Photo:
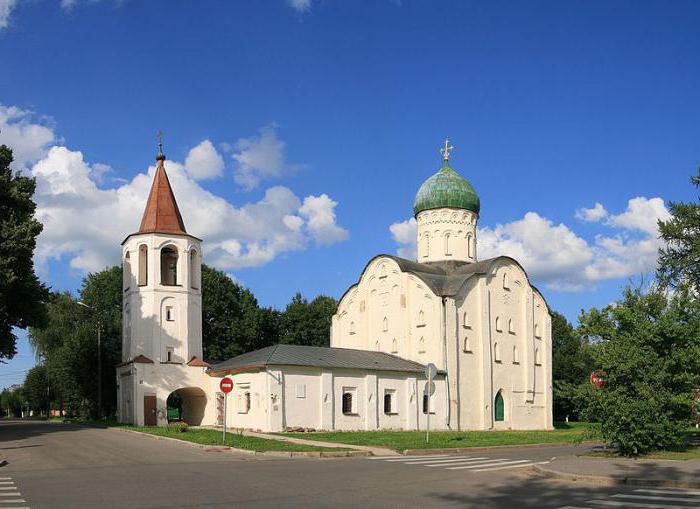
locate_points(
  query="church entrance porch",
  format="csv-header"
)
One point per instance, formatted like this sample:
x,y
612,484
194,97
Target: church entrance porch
x,y
187,404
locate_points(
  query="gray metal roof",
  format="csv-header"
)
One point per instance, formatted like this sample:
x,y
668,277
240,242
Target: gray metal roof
x,y
318,356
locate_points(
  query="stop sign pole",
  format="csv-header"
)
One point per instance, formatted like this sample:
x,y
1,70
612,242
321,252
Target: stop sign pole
x,y
226,386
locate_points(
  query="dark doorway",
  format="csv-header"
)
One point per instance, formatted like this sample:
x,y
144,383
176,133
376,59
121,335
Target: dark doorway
x,y
499,407
149,411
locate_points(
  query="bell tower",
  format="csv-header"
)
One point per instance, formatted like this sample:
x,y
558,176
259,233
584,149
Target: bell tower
x,y
162,297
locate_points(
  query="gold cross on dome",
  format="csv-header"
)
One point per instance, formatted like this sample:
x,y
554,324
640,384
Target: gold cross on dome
x,y
446,150
160,141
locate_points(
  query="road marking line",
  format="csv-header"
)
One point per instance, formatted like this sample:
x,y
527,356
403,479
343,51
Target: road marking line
x,y
492,464
513,466
480,463
14,501
650,497
442,463
437,460
17,507
679,491
614,503
398,456
408,460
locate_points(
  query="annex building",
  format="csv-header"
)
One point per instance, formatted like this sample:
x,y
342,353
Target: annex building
x,y
481,322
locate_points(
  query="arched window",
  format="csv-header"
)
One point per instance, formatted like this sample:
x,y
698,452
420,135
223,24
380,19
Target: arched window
x,y
194,269
394,346
538,358
470,248
516,357
537,330
421,318
465,321
387,403
425,247
126,270
496,353
467,347
421,345
506,283
385,324
347,403
447,244
499,407
143,265
168,266
511,328
352,327
498,324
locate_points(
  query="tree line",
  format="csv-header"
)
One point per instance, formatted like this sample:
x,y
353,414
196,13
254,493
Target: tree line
x,y
646,344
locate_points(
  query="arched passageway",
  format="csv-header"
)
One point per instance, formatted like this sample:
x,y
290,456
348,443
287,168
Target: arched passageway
x,y
188,405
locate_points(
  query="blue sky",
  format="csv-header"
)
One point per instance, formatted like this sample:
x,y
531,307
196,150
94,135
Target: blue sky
x,y
309,126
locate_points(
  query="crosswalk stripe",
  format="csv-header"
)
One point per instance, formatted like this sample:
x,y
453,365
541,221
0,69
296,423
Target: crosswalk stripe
x,y
679,491
512,466
573,507
13,501
651,497
614,503
384,457
10,494
488,464
400,457
408,460
448,462
437,460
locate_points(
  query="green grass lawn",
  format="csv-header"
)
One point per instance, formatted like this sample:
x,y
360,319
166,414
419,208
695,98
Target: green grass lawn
x,y
402,440
214,437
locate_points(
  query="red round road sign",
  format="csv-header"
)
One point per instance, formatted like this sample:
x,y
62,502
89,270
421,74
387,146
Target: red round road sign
x,y
598,378
226,385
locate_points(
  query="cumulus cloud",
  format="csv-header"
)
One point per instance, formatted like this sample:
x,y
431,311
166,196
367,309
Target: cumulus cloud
x,y
300,5
204,162
554,255
260,158
592,215
6,7
404,234
84,223
29,140
319,212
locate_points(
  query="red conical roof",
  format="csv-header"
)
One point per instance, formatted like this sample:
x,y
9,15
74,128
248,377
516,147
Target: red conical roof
x,y
161,214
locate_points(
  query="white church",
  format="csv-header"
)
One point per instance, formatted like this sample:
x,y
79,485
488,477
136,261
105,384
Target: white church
x,y
481,322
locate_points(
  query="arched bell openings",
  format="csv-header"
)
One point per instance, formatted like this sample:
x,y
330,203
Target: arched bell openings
x,y
168,266
143,265
194,269
126,271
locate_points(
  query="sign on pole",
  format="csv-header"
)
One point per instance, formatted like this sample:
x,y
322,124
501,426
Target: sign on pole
x,y
430,372
226,386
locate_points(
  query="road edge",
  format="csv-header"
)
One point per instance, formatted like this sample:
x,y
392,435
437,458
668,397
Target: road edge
x,y
613,480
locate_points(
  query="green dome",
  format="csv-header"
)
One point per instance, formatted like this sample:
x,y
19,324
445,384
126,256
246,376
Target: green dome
x,y
446,188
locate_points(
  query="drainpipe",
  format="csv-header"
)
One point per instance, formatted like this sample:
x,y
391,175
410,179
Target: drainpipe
x,y
444,360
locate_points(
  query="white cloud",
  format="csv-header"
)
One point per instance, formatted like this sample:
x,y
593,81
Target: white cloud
x,y
84,223
592,215
28,140
319,212
204,162
260,158
6,7
557,257
404,234
300,5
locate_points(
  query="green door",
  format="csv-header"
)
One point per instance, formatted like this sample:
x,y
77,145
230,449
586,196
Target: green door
x,y
498,407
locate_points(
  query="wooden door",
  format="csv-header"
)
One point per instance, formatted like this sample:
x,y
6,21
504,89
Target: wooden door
x,y
149,411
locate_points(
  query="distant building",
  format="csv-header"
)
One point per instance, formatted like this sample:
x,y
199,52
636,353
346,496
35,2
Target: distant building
x,y
481,322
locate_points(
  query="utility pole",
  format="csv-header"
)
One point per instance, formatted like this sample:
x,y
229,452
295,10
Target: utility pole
x,y
99,359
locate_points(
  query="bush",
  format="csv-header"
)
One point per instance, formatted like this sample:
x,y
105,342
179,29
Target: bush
x,y
181,427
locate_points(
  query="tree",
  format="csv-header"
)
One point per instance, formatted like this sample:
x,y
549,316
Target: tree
x,y
680,259
36,389
308,323
11,402
572,363
232,321
649,351
22,295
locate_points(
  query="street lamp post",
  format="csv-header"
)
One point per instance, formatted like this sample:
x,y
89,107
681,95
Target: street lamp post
x,y
99,361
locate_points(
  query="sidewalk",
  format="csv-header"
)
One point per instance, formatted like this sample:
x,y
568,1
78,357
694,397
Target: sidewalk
x,y
375,451
682,474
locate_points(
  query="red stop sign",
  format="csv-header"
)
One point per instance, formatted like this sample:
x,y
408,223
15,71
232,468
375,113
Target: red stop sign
x,y
226,385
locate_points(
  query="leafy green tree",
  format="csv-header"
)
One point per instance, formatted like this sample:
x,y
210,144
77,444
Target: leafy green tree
x,y
22,295
680,259
11,402
308,323
36,389
650,352
232,321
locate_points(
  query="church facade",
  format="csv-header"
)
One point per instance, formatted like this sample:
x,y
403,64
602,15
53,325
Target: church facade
x,y
481,322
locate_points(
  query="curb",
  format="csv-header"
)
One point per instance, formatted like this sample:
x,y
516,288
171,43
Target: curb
x,y
421,452
249,452
614,480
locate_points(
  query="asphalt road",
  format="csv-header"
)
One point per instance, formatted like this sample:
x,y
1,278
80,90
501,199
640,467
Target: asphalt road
x,y
63,465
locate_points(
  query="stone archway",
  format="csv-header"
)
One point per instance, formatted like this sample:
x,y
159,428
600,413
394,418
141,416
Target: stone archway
x,y
191,404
